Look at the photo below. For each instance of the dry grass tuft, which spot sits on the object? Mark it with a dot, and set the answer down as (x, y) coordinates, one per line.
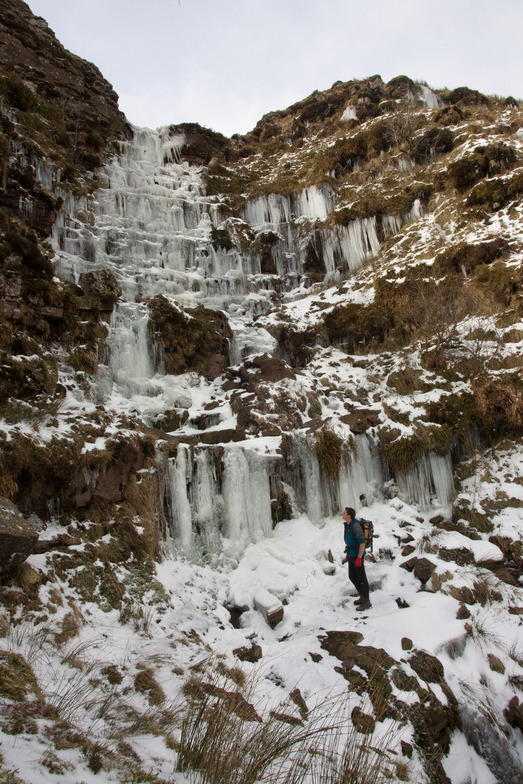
(221, 743)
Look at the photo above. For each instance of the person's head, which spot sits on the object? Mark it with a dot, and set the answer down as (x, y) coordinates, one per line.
(348, 514)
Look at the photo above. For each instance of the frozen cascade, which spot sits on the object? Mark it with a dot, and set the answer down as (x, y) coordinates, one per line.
(249, 341)
(150, 223)
(360, 479)
(129, 343)
(246, 495)
(207, 504)
(179, 479)
(432, 475)
(361, 475)
(350, 244)
(205, 512)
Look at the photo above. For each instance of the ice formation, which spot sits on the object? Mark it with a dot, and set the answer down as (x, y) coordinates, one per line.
(151, 224)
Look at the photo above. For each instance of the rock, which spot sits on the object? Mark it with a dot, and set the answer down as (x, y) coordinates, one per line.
(363, 722)
(101, 291)
(463, 612)
(272, 369)
(495, 664)
(406, 749)
(360, 420)
(195, 339)
(252, 654)
(406, 643)
(329, 568)
(427, 667)
(340, 644)
(287, 719)
(297, 698)
(17, 538)
(422, 568)
(514, 713)
(269, 606)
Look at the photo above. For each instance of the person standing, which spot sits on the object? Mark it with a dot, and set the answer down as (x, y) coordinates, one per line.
(355, 549)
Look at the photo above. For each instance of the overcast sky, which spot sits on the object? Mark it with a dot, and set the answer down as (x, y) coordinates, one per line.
(226, 63)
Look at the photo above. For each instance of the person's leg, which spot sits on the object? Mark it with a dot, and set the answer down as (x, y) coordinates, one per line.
(362, 579)
(352, 573)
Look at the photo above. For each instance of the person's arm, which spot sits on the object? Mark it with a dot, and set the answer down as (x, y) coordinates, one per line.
(360, 554)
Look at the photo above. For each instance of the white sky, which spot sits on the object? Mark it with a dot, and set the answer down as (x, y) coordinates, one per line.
(225, 63)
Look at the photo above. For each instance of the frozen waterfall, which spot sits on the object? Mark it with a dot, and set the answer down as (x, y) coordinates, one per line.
(153, 226)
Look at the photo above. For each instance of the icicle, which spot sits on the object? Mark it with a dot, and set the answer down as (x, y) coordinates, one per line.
(430, 477)
(129, 343)
(181, 517)
(206, 502)
(361, 475)
(246, 495)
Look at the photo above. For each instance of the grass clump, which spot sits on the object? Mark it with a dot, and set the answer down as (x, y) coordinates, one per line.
(146, 683)
(329, 448)
(401, 452)
(17, 679)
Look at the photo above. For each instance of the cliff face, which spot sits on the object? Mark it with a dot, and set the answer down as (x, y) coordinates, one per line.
(209, 346)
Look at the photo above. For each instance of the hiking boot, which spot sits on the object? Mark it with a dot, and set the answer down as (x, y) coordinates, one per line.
(364, 605)
(359, 600)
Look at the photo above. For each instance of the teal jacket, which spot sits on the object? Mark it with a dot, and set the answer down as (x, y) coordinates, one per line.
(353, 536)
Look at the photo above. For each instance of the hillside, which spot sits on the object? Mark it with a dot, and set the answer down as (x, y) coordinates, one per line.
(209, 347)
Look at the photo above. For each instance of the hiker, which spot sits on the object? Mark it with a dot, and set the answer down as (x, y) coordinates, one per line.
(355, 552)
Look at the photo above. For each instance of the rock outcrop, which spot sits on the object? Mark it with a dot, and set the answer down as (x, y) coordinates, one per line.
(17, 538)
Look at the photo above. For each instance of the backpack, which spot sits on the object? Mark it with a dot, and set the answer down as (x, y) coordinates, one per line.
(368, 530)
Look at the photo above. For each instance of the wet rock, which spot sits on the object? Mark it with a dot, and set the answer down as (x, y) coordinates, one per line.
(17, 538)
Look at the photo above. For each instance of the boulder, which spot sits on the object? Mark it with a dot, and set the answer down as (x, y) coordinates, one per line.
(269, 606)
(427, 667)
(252, 654)
(17, 538)
(422, 568)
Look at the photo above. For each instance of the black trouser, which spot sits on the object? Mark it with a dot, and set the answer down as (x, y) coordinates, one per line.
(358, 577)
